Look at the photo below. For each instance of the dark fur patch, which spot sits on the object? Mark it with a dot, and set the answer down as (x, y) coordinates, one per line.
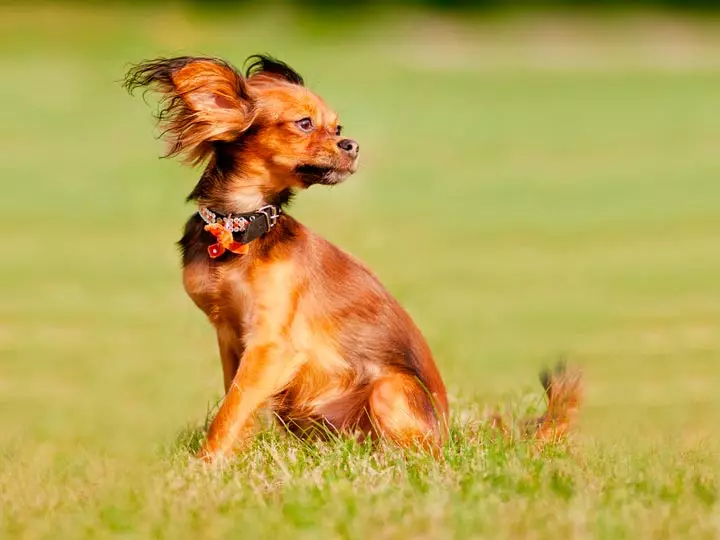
(282, 199)
(279, 240)
(264, 63)
(210, 181)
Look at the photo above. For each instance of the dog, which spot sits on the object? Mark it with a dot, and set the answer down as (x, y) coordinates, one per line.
(303, 328)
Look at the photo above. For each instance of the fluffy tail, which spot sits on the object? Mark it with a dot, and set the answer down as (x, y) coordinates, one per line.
(563, 391)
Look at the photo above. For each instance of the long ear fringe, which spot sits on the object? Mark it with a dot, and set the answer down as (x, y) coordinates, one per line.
(189, 131)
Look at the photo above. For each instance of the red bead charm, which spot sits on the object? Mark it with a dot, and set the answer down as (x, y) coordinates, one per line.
(215, 250)
(225, 241)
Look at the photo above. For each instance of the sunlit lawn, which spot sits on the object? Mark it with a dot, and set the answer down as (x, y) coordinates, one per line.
(529, 190)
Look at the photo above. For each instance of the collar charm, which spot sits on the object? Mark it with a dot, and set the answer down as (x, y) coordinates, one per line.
(225, 241)
(250, 226)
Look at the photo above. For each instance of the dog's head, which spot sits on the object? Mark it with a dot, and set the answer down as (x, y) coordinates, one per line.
(263, 126)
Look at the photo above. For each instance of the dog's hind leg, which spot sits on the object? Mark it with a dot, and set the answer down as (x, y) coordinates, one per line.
(403, 411)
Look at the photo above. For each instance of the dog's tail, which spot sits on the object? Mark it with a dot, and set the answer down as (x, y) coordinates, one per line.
(563, 392)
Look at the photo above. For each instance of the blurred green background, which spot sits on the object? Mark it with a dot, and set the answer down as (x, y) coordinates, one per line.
(534, 184)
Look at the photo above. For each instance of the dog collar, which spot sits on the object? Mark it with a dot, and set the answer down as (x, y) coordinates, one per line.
(248, 226)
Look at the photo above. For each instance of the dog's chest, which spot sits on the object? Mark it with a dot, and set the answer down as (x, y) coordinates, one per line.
(259, 301)
(264, 306)
(222, 292)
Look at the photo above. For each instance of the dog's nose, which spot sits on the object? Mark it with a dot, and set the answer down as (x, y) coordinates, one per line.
(350, 146)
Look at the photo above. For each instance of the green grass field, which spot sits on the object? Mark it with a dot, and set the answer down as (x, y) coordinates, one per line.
(553, 190)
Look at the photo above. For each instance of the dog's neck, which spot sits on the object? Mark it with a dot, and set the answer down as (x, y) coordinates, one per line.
(238, 190)
(239, 201)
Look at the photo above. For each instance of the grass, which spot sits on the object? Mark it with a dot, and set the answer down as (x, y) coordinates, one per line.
(551, 186)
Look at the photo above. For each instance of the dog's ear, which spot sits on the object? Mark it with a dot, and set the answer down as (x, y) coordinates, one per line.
(204, 100)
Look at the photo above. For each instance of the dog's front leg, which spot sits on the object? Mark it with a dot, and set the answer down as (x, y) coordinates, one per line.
(230, 346)
(264, 371)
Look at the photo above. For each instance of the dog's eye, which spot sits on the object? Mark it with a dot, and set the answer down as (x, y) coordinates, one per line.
(306, 124)
(338, 130)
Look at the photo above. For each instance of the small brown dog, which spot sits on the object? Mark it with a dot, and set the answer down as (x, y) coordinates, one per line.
(303, 328)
